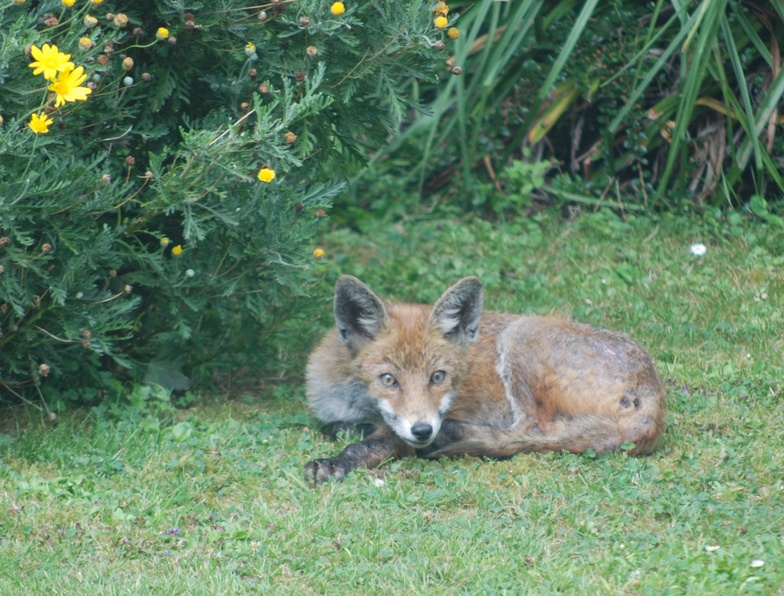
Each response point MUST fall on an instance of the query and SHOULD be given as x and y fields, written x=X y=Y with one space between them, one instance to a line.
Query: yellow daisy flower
x=177 y=251
x=266 y=175
x=67 y=88
x=162 y=34
x=49 y=61
x=39 y=123
x=440 y=22
x=453 y=33
x=69 y=3
x=338 y=8
x=318 y=253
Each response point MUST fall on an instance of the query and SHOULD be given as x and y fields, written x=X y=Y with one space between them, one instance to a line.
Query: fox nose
x=422 y=431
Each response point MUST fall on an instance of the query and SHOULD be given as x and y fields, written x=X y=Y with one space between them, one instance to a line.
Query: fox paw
x=321 y=470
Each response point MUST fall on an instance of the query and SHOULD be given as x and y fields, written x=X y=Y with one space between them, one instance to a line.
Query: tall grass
x=669 y=100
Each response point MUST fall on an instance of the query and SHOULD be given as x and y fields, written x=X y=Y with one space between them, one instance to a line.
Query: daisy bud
x=127 y=63
x=312 y=51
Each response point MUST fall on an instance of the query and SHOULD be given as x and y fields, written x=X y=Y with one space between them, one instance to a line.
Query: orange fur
x=435 y=382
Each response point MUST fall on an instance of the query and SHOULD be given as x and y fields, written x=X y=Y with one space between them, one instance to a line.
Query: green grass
x=212 y=499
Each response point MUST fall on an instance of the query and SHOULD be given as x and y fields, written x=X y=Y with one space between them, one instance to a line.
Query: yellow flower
x=162 y=33
x=440 y=22
x=39 y=123
x=85 y=43
x=441 y=9
x=49 y=60
x=453 y=33
x=338 y=8
x=266 y=175
x=250 y=49
x=90 y=21
x=318 y=253
x=69 y=3
x=177 y=251
x=164 y=241
x=67 y=88
x=96 y=2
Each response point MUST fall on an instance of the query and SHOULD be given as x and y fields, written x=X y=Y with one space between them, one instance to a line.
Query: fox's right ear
x=359 y=313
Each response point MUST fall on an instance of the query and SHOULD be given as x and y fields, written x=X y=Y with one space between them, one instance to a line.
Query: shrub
x=660 y=103
x=159 y=206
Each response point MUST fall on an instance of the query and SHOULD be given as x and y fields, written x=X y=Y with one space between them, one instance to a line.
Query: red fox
x=449 y=381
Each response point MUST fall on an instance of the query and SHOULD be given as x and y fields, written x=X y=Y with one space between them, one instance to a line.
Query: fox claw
x=321 y=470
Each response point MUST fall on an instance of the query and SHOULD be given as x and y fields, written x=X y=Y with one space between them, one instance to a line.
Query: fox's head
x=411 y=358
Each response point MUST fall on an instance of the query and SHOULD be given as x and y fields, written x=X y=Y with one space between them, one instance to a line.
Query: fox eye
x=437 y=377
x=388 y=380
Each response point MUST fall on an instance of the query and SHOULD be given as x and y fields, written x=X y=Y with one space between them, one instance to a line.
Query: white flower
x=379 y=482
x=189 y=273
x=698 y=249
x=757 y=563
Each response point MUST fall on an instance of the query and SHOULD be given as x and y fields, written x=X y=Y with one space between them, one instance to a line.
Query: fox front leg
x=369 y=453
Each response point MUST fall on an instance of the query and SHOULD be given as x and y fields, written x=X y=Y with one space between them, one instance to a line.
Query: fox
x=451 y=380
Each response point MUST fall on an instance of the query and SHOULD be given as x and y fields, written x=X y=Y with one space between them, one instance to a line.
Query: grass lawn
x=212 y=498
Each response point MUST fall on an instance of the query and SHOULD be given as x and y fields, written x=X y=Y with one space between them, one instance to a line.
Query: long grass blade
x=566 y=50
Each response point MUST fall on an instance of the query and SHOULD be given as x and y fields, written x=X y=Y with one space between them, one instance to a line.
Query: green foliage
x=656 y=102
x=135 y=230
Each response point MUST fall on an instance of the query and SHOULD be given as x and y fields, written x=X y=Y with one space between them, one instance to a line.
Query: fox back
x=448 y=380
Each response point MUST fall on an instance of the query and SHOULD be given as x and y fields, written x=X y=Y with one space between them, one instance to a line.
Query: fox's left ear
x=458 y=312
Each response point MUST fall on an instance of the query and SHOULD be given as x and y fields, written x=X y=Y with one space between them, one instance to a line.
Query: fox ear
x=359 y=313
x=458 y=312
